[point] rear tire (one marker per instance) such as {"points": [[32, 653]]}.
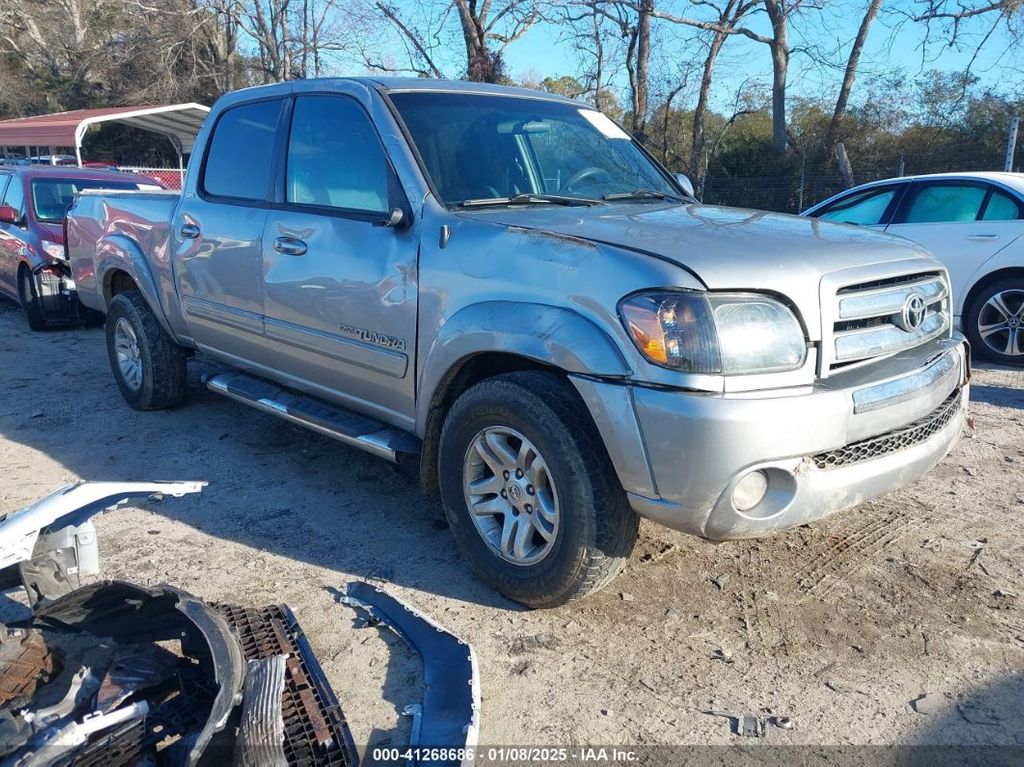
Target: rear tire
{"points": [[30, 300], [995, 322], [589, 530], [149, 368]]}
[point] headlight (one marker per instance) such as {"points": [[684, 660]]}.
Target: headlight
{"points": [[674, 330], [714, 333], [53, 249], [757, 334]]}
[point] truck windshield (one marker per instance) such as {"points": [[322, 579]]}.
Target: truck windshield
{"points": [[51, 197], [492, 149]]}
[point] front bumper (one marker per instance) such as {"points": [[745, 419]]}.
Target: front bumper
{"points": [[824, 448], [57, 295]]}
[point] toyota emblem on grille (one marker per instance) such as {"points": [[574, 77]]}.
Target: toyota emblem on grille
{"points": [[912, 316]]}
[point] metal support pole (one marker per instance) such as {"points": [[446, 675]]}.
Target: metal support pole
{"points": [[78, 154], [1011, 144], [803, 177]]}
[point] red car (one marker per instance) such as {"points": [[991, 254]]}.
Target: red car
{"points": [[33, 266]]}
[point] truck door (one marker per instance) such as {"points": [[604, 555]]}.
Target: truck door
{"points": [[218, 231], [339, 284]]}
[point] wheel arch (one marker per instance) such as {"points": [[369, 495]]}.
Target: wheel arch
{"points": [[121, 265], [462, 375], [986, 281]]}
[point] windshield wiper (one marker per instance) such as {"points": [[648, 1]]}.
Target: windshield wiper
{"points": [[643, 194], [529, 199]]}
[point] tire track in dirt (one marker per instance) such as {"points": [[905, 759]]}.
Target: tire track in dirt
{"points": [[767, 627], [834, 559]]}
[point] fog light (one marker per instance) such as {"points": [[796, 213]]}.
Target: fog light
{"points": [[750, 490]]}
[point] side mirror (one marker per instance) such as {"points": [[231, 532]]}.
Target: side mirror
{"points": [[9, 215], [395, 219], [684, 181]]}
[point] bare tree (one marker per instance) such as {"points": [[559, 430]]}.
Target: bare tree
{"points": [[632, 19], [291, 37], [729, 15], [596, 45], [780, 14], [966, 24], [486, 30], [852, 62]]}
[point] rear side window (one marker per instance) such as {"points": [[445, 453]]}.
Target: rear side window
{"points": [[945, 202], [866, 208], [239, 157], [1001, 207], [335, 159]]}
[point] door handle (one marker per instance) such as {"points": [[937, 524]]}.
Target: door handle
{"points": [[289, 246], [982, 236], [191, 231]]}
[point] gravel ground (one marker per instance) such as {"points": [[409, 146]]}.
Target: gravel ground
{"points": [[900, 621]]}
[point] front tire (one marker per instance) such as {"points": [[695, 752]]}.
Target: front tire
{"points": [[529, 492], [30, 300], [149, 368], [995, 322]]}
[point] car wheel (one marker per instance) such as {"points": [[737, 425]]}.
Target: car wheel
{"points": [[529, 492], [995, 322], [149, 368], [30, 300]]}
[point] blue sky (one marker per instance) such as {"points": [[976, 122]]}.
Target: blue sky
{"points": [[892, 45]]}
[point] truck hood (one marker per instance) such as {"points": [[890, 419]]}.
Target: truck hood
{"points": [[727, 248]]}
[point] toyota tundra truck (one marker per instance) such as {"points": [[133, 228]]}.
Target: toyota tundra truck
{"points": [[503, 289]]}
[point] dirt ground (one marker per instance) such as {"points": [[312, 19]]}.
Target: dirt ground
{"points": [[842, 626]]}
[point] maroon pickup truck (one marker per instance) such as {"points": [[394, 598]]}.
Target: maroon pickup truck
{"points": [[33, 267]]}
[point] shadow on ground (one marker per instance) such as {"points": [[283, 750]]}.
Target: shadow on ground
{"points": [[272, 486]]}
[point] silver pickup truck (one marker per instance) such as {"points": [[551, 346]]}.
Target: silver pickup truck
{"points": [[504, 288]]}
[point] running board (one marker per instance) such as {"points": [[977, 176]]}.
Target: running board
{"points": [[315, 415]]}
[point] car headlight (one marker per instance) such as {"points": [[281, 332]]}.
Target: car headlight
{"points": [[714, 333], [53, 249]]}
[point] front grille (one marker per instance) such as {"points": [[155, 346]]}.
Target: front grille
{"points": [[912, 434], [316, 732], [870, 322]]}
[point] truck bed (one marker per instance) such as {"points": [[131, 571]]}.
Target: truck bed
{"points": [[122, 220]]}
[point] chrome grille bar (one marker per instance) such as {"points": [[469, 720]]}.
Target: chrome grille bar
{"points": [[887, 316]]}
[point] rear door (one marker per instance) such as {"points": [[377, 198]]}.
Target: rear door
{"points": [[340, 286], [963, 222], [218, 233]]}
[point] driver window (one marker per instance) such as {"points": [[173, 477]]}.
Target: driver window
{"points": [[335, 159], [865, 208]]}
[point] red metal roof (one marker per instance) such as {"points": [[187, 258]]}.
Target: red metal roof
{"points": [[179, 122]]}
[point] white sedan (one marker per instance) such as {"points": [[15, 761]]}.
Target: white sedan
{"points": [[974, 224]]}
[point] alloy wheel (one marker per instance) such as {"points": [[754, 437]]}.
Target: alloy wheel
{"points": [[511, 495], [126, 349], [1001, 322]]}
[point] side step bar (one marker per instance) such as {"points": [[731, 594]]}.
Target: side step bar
{"points": [[315, 415]]}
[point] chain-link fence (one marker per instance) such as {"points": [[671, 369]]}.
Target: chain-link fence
{"points": [[171, 178], [802, 182]]}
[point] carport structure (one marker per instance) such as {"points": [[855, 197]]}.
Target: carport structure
{"points": [[179, 123]]}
